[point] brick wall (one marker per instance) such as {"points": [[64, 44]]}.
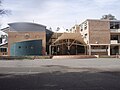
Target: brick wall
{"points": [[99, 32], [25, 36]]}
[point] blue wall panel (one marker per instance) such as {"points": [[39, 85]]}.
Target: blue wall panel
{"points": [[26, 48]]}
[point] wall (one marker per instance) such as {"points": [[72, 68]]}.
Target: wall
{"points": [[26, 48], [14, 37], [99, 32]]}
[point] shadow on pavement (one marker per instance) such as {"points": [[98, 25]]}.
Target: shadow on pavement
{"points": [[57, 80]]}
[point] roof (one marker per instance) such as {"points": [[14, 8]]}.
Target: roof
{"points": [[74, 36], [102, 20], [26, 26]]}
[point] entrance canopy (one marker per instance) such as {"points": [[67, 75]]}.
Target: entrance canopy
{"points": [[73, 36], [68, 44]]}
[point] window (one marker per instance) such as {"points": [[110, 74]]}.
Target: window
{"points": [[31, 47], [85, 35], [85, 25], [114, 25], [19, 47], [27, 36], [0, 40], [114, 37], [3, 49], [26, 47], [73, 27], [81, 27]]}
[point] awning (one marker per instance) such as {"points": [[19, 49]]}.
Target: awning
{"points": [[73, 36]]}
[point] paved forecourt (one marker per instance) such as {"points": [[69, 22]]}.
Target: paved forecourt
{"points": [[46, 65]]}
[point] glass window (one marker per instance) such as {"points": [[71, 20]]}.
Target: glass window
{"points": [[81, 27], [19, 47], [3, 49], [0, 40], [85, 35], [114, 25], [31, 47], [26, 47], [85, 25], [114, 37]]}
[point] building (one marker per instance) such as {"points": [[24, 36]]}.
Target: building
{"points": [[91, 37], [3, 43], [27, 39], [102, 37]]}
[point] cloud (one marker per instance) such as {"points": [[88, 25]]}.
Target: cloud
{"points": [[106, 2], [54, 13]]}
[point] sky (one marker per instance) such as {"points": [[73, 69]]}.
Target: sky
{"points": [[58, 13]]}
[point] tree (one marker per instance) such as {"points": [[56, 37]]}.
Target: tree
{"points": [[3, 11], [108, 17]]}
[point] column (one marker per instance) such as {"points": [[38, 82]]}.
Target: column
{"points": [[85, 47], [119, 50], [76, 47], [50, 50], [89, 49], [118, 38], [108, 50]]}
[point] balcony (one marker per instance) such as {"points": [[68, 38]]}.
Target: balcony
{"points": [[115, 30], [114, 41]]}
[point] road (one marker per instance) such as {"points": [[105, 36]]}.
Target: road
{"points": [[68, 74]]}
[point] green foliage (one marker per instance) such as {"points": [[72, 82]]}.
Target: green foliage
{"points": [[108, 17]]}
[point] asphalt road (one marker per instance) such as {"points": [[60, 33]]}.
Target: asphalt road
{"points": [[73, 74]]}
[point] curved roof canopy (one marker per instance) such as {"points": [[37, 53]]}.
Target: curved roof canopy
{"points": [[26, 26], [73, 36]]}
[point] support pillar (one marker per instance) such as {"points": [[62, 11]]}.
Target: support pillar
{"points": [[89, 49], [85, 47], [76, 47], [119, 50], [50, 50], [108, 50]]}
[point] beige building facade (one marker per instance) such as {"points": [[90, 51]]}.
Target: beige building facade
{"points": [[91, 37], [102, 37]]}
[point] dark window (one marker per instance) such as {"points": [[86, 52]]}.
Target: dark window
{"points": [[85, 25], [0, 40], [3, 49], [114, 37], [19, 47], [114, 25], [85, 35], [26, 47], [81, 27]]}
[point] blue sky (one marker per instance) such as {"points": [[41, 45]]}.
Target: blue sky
{"points": [[58, 13]]}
